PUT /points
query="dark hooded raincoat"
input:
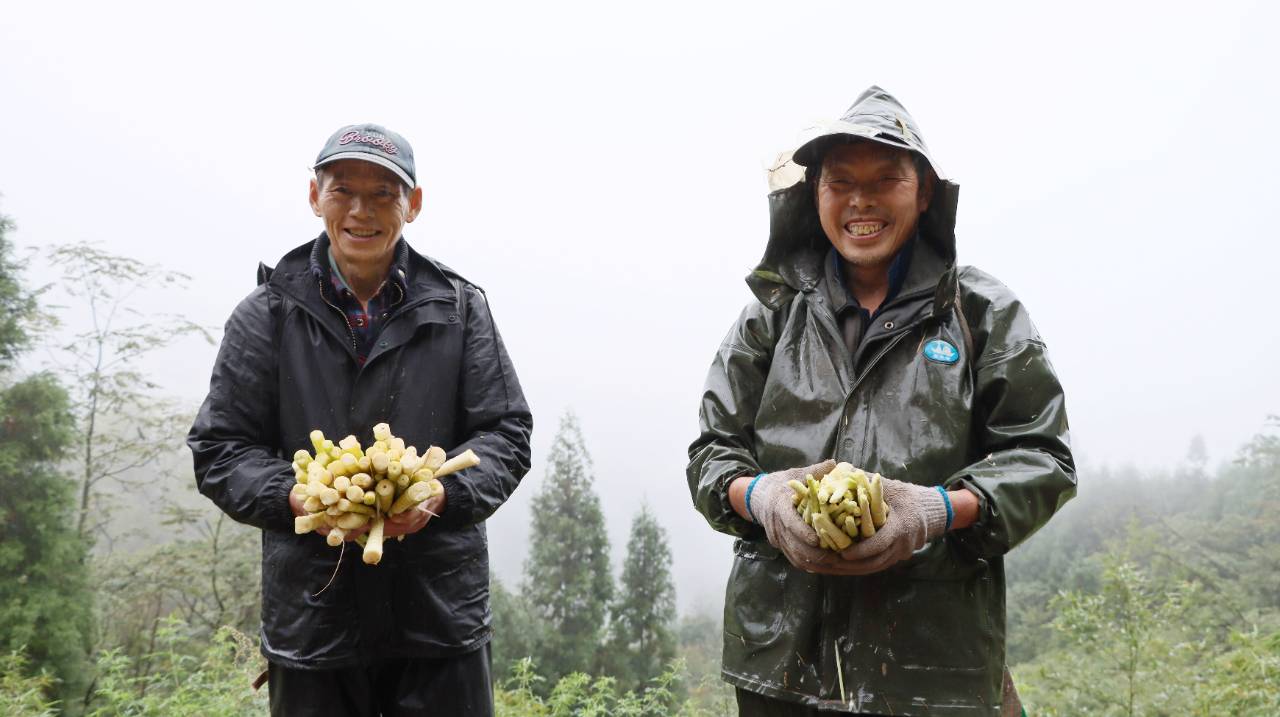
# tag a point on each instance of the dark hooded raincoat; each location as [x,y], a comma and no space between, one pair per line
[927,636]
[439,374]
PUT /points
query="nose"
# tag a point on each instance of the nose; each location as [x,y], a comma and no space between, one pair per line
[860,197]
[361,206]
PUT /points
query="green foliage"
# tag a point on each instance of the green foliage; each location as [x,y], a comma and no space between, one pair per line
[187,677]
[1119,647]
[23,694]
[700,641]
[17,305]
[567,577]
[642,616]
[580,695]
[44,594]
[1168,595]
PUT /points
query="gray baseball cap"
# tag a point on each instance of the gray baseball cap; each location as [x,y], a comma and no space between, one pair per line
[371,143]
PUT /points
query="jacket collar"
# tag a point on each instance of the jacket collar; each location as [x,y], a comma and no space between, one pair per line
[322,262]
[424,277]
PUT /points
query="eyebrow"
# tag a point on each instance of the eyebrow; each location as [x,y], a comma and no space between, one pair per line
[877,163]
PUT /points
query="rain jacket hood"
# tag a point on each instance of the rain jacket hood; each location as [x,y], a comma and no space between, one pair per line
[926,636]
[797,246]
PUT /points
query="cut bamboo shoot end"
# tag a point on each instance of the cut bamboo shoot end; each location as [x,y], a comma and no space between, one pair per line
[355,507]
[462,461]
[412,496]
[433,459]
[373,548]
[386,492]
[307,523]
[335,537]
[352,521]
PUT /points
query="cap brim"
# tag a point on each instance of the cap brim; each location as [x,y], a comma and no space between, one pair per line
[367,157]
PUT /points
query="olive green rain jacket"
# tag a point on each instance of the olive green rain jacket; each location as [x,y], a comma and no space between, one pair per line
[951,385]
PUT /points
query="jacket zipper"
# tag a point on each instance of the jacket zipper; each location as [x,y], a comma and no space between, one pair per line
[894,341]
[351,333]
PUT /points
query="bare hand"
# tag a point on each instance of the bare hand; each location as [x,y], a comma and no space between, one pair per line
[415,518]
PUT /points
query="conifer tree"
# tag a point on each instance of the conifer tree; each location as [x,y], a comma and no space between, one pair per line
[642,640]
[567,578]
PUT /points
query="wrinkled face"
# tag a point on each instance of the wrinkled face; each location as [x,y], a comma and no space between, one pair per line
[364,208]
[869,199]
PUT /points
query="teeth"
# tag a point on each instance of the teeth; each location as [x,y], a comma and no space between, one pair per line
[361,234]
[863,229]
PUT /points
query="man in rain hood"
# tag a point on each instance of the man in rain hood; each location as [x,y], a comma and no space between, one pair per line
[352,329]
[866,343]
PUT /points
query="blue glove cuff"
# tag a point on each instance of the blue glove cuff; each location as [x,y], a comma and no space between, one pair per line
[752,487]
[946,499]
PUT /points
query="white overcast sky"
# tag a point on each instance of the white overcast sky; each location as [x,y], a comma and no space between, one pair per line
[598,169]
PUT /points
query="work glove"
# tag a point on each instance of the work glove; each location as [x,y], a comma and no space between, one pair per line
[917,515]
[770,503]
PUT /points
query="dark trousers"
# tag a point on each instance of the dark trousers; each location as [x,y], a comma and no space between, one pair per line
[459,686]
[751,704]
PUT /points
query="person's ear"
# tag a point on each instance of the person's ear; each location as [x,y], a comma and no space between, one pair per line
[315,197]
[415,204]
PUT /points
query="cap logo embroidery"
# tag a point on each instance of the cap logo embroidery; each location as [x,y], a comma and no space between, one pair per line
[372,139]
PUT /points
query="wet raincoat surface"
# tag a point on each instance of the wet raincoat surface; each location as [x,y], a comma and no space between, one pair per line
[927,636]
[439,374]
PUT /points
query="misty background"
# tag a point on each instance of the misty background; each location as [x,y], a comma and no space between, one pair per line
[599,170]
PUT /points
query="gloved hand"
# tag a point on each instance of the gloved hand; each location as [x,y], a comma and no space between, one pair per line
[917,515]
[770,504]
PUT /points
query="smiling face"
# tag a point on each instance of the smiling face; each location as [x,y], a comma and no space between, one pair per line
[364,208]
[869,199]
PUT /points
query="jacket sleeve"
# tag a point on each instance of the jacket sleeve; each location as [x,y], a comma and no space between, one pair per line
[233,441]
[725,447]
[494,421]
[1025,472]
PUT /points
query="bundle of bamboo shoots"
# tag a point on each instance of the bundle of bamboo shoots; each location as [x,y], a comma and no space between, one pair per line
[345,487]
[845,506]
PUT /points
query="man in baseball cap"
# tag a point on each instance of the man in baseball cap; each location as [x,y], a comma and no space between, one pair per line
[352,329]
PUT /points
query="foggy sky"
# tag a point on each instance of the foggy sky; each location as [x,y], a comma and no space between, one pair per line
[598,170]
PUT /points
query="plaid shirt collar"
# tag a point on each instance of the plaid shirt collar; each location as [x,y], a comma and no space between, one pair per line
[365,322]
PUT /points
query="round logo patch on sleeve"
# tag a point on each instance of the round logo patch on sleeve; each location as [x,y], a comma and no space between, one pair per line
[941,351]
